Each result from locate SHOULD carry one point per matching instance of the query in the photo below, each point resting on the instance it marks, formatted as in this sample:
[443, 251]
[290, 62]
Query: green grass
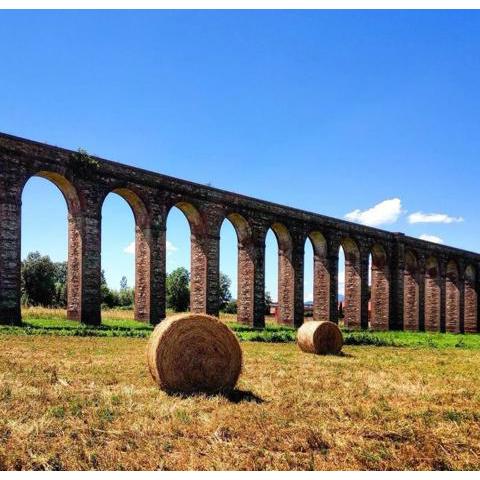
[413, 339]
[114, 327]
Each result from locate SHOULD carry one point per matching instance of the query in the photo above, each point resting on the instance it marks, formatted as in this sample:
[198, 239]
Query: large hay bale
[194, 353]
[320, 337]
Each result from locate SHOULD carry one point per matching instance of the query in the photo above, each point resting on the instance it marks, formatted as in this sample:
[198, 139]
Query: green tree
[268, 303]
[178, 290]
[108, 296]
[123, 283]
[60, 297]
[61, 269]
[38, 280]
[225, 295]
[231, 307]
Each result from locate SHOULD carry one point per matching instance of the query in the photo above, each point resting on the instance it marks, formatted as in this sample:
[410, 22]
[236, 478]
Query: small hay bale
[320, 337]
[194, 353]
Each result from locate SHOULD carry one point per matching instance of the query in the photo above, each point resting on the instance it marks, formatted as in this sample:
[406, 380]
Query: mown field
[120, 323]
[88, 402]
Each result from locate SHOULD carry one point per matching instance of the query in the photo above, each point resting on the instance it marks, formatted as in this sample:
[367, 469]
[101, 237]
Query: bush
[230, 307]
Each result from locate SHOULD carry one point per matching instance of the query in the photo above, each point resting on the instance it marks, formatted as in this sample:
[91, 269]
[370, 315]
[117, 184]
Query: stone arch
[75, 238]
[245, 268]
[452, 301]
[380, 288]
[286, 274]
[142, 251]
[353, 293]
[411, 289]
[432, 295]
[192, 215]
[67, 189]
[321, 277]
[137, 204]
[470, 300]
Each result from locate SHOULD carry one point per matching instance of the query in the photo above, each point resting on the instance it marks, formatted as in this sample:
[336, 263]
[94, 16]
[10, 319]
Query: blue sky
[332, 112]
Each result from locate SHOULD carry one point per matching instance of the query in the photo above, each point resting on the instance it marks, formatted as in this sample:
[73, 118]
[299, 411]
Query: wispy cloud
[383, 213]
[308, 297]
[130, 248]
[430, 238]
[420, 217]
[170, 247]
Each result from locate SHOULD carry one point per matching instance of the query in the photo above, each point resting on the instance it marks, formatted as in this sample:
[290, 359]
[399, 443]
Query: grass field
[76, 397]
[89, 403]
[120, 323]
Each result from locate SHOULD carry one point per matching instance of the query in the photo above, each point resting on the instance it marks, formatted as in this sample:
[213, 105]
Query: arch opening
[124, 261]
[432, 295]
[271, 277]
[60, 240]
[179, 256]
[198, 264]
[241, 270]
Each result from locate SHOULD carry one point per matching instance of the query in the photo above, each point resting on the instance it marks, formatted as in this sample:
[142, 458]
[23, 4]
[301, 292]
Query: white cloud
[386, 212]
[430, 238]
[308, 297]
[420, 217]
[169, 246]
[130, 248]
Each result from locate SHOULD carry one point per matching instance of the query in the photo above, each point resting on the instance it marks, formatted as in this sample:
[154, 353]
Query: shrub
[230, 307]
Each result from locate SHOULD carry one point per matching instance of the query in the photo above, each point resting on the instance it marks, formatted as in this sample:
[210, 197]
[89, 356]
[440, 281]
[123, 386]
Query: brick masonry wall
[400, 298]
[411, 303]
[432, 300]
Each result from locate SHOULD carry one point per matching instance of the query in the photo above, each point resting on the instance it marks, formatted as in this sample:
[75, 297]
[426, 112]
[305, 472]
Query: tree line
[44, 283]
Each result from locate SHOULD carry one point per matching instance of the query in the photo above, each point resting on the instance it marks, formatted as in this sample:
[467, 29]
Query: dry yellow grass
[89, 403]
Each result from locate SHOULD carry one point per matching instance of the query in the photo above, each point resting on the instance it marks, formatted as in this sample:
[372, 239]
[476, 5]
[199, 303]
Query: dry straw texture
[320, 337]
[76, 403]
[193, 352]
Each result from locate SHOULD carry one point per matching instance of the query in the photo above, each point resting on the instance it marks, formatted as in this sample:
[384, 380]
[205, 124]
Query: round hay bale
[320, 337]
[194, 353]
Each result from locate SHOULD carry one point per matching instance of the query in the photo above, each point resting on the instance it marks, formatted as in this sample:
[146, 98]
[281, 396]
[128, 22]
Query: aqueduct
[416, 285]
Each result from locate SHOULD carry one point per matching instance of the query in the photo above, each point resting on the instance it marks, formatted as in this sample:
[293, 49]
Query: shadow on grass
[343, 354]
[235, 395]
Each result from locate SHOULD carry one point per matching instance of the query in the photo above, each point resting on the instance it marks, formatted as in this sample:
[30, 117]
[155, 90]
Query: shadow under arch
[380, 289]
[411, 292]
[321, 276]
[452, 300]
[143, 275]
[432, 295]
[352, 300]
[470, 300]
